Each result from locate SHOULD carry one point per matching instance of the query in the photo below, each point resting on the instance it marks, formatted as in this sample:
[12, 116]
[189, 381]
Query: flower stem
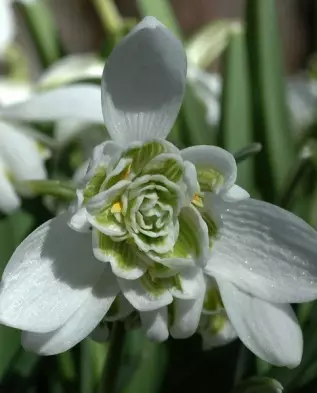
[108, 382]
[298, 173]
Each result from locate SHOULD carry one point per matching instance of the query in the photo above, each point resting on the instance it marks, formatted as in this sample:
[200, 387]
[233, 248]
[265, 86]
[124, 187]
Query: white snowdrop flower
[148, 219]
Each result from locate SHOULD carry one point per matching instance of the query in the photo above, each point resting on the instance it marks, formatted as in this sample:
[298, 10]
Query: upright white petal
[155, 324]
[143, 83]
[9, 200]
[266, 251]
[6, 25]
[48, 278]
[20, 153]
[80, 324]
[81, 101]
[269, 330]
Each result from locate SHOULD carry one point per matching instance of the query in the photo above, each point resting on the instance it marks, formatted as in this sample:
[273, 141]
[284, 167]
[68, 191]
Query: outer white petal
[48, 278]
[141, 298]
[269, 330]
[81, 101]
[155, 324]
[266, 251]
[143, 83]
[9, 200]
[80, 324]
[187, 315]
[6, 25]
[204, 157]
[20, 153]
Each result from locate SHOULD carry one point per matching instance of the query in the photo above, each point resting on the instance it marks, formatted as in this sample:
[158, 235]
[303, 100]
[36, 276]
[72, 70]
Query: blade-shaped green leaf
[236, 117]
[162, 10]
[270, 116]
[143, 364]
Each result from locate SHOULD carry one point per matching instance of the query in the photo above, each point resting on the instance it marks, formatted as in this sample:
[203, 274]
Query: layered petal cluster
[159, 236]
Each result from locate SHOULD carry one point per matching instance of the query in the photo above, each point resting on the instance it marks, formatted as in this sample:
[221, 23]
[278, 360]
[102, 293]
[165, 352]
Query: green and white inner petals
[122, 255]
[151, 205]
[216, 171]
[192, 244]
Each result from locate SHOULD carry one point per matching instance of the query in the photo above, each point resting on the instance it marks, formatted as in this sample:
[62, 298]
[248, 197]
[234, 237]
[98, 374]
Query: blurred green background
[251, 83]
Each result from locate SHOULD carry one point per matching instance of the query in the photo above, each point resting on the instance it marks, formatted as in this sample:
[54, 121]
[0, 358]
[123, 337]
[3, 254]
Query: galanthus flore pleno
[149, 220]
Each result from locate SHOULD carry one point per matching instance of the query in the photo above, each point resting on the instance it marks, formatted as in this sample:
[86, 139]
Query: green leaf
[270, 120]
[56, 188]
[161, 10]
[236, 111]
[42, 30]
[209, 42]
[143, 365]
[196, 130]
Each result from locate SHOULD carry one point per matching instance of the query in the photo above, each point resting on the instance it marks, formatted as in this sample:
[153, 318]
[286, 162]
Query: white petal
[186, 316]
[216, 158]
[12, 91]
[79, 221]
[269, 330]
[80, 324]
[191, 282]
[155, 324]
[266, 251]
[143, 83]
[235, 193]
[48, 278]
[9, 200]
[20, 153]
[141, 298]
[80, 101]
[6, 25]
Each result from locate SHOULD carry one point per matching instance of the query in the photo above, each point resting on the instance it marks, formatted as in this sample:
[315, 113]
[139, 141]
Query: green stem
[248, 151]
[108, 381]
[110, 17]
[298, 173]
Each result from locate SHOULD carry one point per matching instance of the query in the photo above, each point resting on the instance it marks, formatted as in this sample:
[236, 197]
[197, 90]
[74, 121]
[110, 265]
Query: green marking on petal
[212, 228]
[212, 301]
[216, 323]
[159, 270]
[169, 165]
[93, 186]
[176, 282]
[155, 285]
[141, 155]
[109, 218]
[121, 172]
[121, 253]
[209, 179]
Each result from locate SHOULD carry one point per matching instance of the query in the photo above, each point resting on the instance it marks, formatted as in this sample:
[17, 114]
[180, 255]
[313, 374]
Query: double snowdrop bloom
[151, 224]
